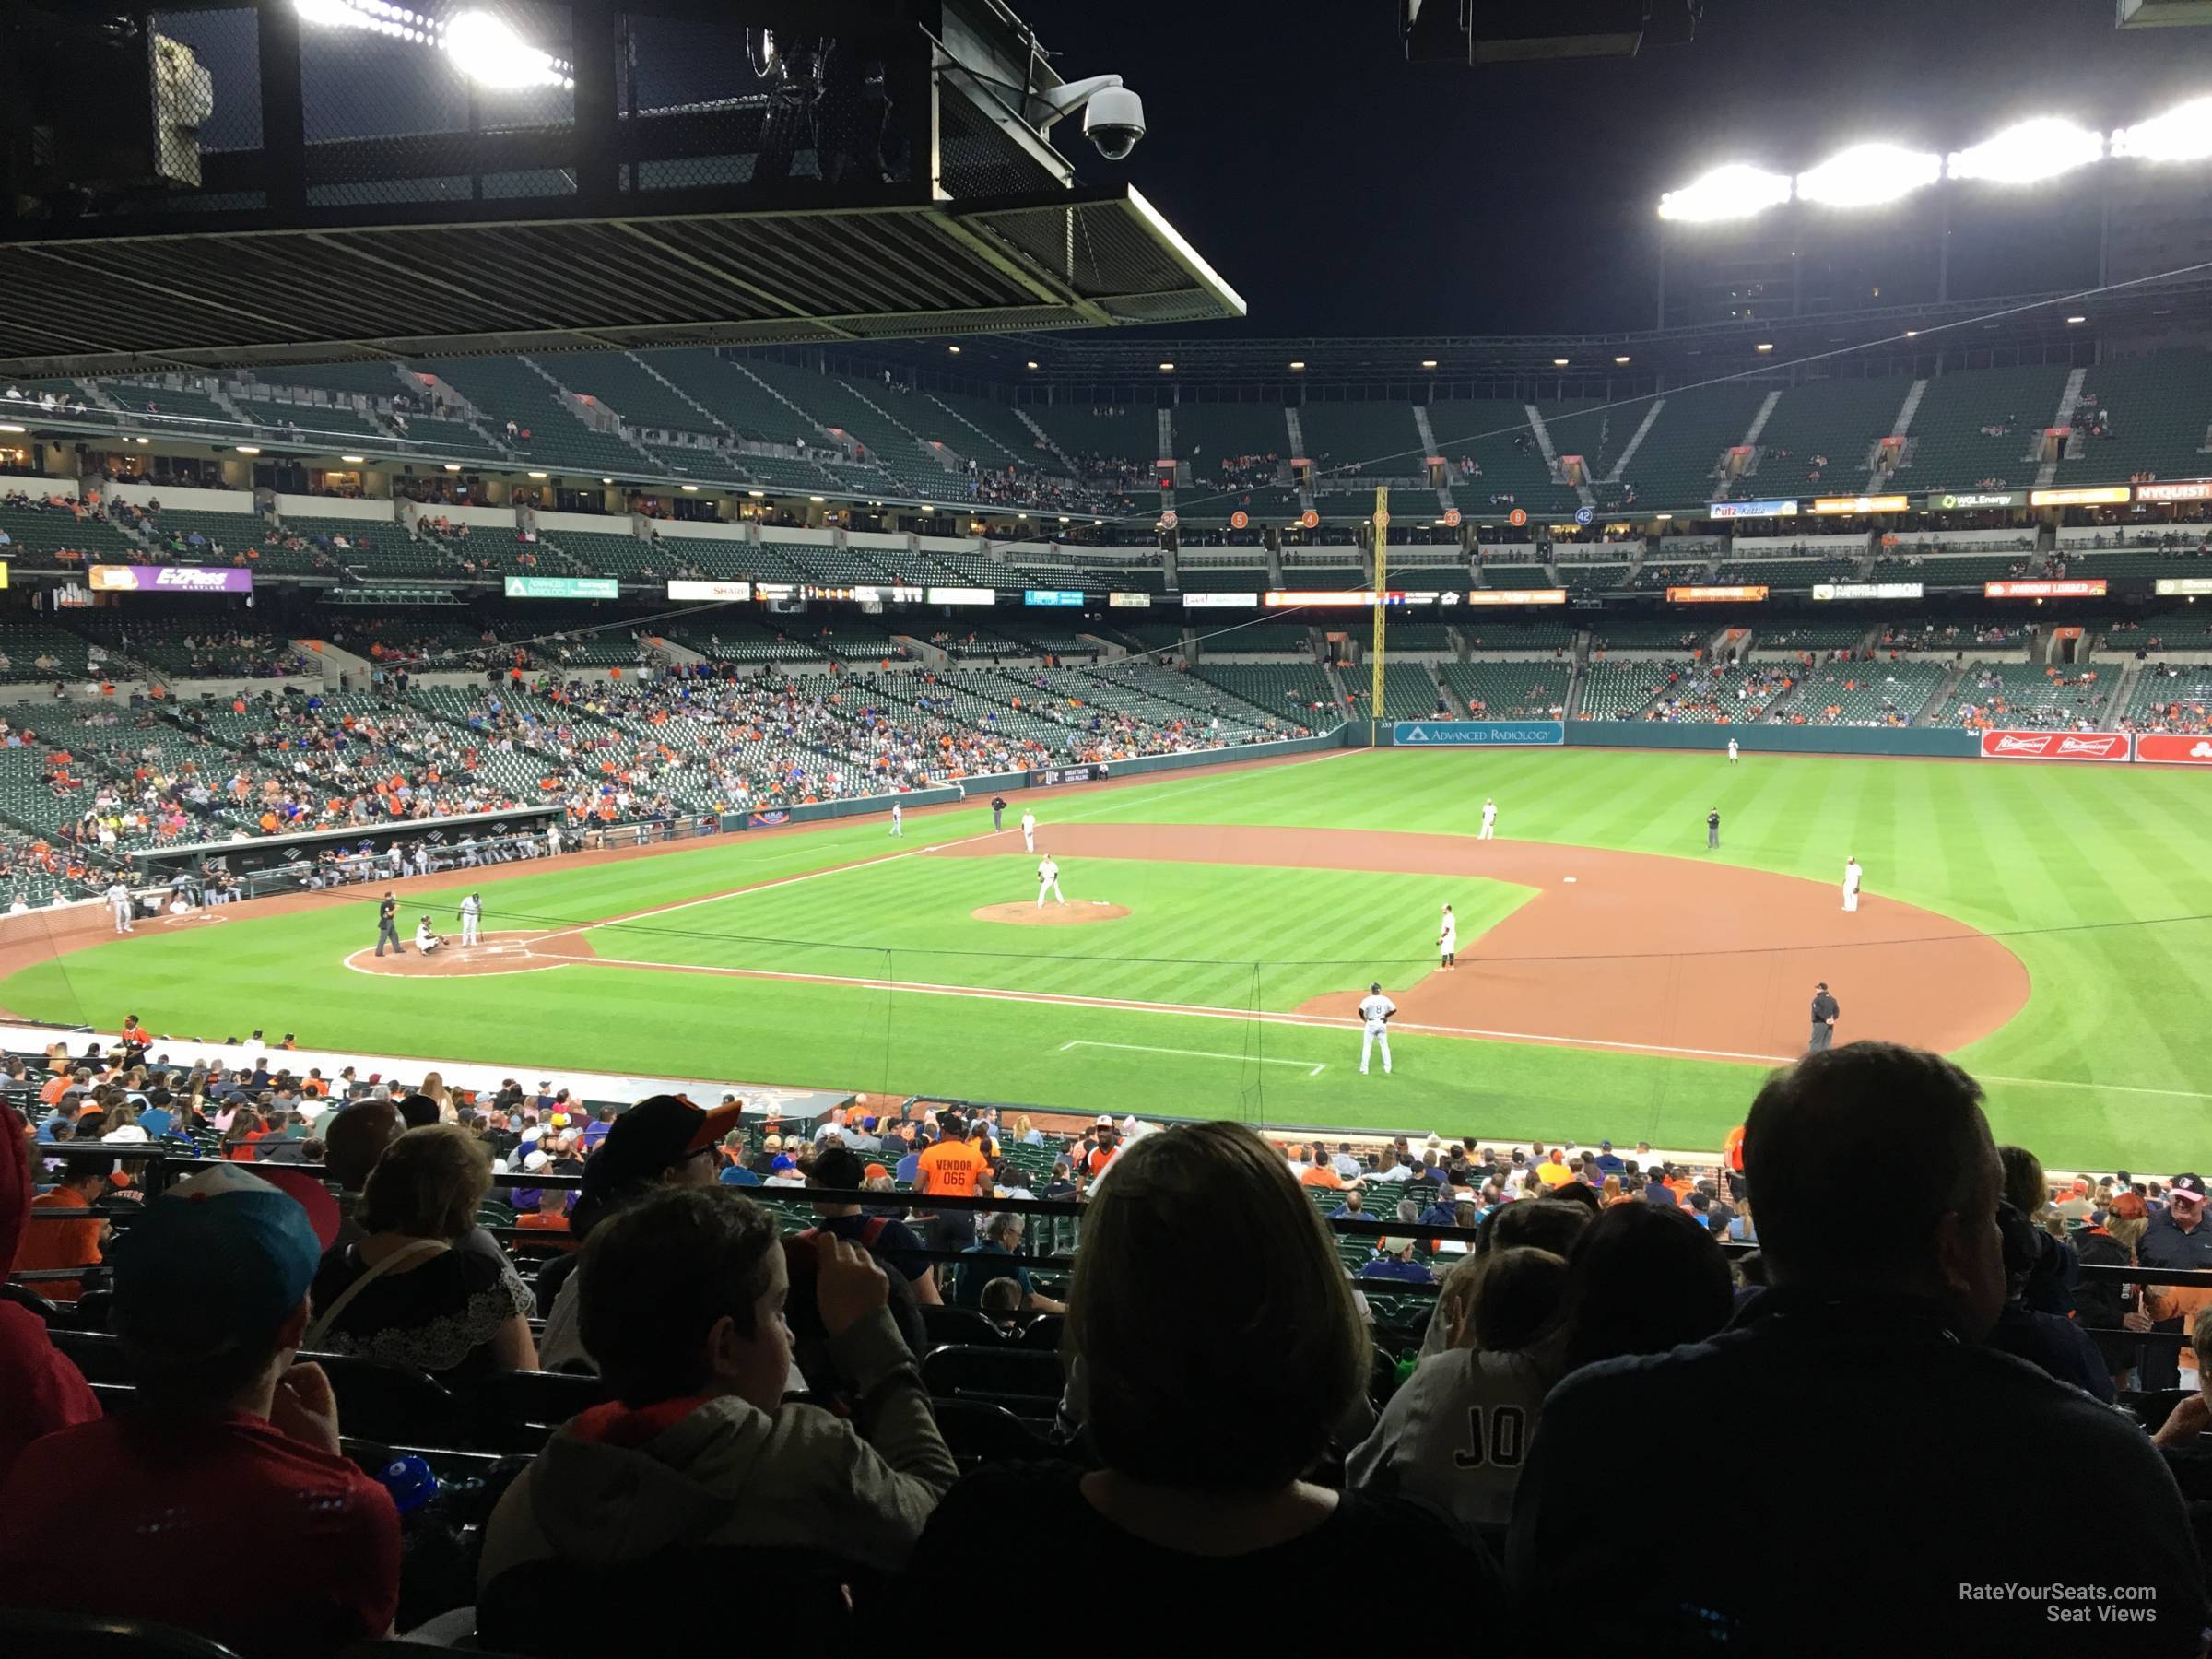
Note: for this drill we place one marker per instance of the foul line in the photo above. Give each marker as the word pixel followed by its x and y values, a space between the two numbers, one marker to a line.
pixel 1193 1010
pixel 1311 1069
pixel 2179 1094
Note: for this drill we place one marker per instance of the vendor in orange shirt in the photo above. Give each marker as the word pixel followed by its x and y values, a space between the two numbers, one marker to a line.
pixel 74 1243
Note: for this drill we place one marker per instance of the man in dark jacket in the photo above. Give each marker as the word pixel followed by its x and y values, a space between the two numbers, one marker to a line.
pixel 2177 1238
pixel 1862 1369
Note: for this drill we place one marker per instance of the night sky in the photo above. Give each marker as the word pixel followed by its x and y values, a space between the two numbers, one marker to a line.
pixel 1342 190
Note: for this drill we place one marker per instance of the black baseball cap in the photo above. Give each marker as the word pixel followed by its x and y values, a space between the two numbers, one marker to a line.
pixel 837 1168
pixel 653 1138
pixel 2186 1186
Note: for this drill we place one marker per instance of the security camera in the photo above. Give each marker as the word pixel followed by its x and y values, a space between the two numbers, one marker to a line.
pixel 1113 117
pixel 1114 122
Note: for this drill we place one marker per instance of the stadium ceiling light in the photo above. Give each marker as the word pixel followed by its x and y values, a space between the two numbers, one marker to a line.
pixel 1298 363
pixel 2029 153
pixel 954 350
pixel 1733 191
pixel 486 50
pixel 1032 362
pixel 606 480
pixel 1620 359
pixel 142 440
pixel 1866 175
pixel 815 498
pixel 1166 368
pixel 1064 518
pixel 10 428
pixel 249 449
pixel 1428 363
pixel 356 460
pixel 1559 362
pixel 2180 134
pixel 1764 346
pixel 538 474
pixel 1910 332
pixel 453 467
pixel 757 495
pixel 2074 319
pixel 689 489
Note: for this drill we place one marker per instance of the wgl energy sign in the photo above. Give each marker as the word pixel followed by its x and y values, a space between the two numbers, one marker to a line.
pixel 1477 734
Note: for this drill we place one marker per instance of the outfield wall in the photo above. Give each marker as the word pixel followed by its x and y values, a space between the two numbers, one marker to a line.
pixel 1657 735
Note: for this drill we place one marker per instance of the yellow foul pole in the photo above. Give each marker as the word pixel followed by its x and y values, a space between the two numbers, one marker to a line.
pixel 1375 653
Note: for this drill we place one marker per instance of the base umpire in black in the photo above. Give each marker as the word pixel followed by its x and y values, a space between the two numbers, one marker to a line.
pixel 1826 1010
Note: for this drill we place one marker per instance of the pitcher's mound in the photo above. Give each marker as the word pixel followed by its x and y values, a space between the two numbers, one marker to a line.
pixel 1050 915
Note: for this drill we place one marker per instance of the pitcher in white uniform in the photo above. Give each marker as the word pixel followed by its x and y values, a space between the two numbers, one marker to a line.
pixel 1447 946
pixel 1048 880
pixel 1375 1010
pixel 1490 822
pixel 1852 875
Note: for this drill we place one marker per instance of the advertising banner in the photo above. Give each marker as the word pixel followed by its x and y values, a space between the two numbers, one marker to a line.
pixel 2054 746
pixel 680 588
pixel 1067 598
pixel 775 590
pixel 954 595
pixel 2187 490
pixel 563 587
pixel 2071 587
pixel 2111 495
pixel 169 579
pixel 2173 749
pixel 1869 590
pixel 1119 601
pixel 2184 584
pixel 1881 503
pixel 1979 498
pixel 867 595
pixel 1514 597
pixel 1712 595
pixel 767 820
pixel 1478 733
pixel 1221 602
pixel 1728 510
pixel 1068 774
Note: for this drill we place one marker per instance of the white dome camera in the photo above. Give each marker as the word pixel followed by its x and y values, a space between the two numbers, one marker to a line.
pixel 1113 120
pixel 1113 117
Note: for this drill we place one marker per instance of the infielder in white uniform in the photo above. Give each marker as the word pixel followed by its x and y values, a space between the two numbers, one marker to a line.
pixel 1048 879
pixel 119 906
pixel 897 819
pixel 1732 751
pixel 1447 951
pixel 1028 831
pixel 472 917
pixel 1852 874
pixel 1375 1009
pixel 1489 826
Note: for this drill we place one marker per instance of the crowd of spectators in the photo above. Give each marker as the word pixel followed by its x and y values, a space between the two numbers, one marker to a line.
pixel 754 1399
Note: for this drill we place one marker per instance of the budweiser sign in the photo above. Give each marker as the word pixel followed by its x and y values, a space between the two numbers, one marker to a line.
pixel 2054 746
pixel 2173 749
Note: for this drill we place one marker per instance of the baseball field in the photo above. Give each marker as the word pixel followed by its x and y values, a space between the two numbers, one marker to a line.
pixel 2050 926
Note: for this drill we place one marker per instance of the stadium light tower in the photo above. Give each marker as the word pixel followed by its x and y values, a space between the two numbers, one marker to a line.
pixel 2029 153
pixel 1868 175
pixel 1733 191
pixel 2180 134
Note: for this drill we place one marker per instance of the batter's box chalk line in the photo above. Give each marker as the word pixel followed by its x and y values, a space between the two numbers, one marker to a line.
pixel 1309 1067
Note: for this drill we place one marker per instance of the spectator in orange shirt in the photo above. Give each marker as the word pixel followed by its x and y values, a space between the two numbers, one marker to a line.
pixel 73 1244
pixel 1317 1172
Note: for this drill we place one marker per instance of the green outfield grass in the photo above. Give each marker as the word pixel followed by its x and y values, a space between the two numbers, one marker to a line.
pixel 2090 874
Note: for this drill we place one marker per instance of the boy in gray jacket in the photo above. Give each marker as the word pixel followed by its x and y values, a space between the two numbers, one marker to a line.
pixel 682 1304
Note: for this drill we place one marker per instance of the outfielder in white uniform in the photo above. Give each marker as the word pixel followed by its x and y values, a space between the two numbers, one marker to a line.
pixel 897 819
pixel 1489 828
pixel 1732 751
pixel 119 906
pixel 1028 831
pixel 1375 1010
pixel 1048 879
pixel 553 839
pixel 1852 874
pixel 1447 948
pixel 472 917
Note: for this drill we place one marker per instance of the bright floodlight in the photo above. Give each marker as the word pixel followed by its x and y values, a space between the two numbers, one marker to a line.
pixel 1866 175
pixel 490 53
pixel 2028 153
pixel 1726 192
pixel 2182 135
